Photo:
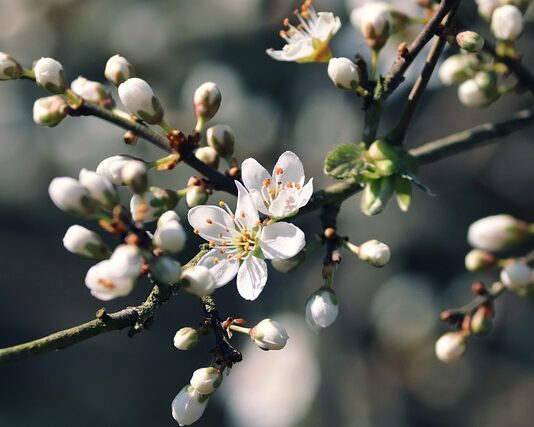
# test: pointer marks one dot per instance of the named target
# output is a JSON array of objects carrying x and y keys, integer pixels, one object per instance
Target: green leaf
[
  {"x": 403, "y": 190},
  {"x": 376, "y": 195},
  {"x": 346, "y": 161}
]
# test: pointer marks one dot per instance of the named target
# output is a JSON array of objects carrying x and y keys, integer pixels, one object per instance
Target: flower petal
[
  {"x": 212, "y": 223},
  {"x": 299, "y": 50},
  {"x": 245, "y": 212},
  {"x": 288, "y": 168},
  {"x": 222, "y": 268},
  {"x": 259, "y": 202},
  {"x": 281, "y": 240},
  {"x": 286, "y": 203},
  {"x": 305, "y": 193},
  {"x": 251, "y": 278},
  {"x": 253, "y": 174}
]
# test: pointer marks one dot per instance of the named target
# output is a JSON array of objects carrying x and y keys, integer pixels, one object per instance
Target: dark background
[{"x": 375, "y": 366}]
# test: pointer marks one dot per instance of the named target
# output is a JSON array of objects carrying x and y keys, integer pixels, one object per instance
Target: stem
[
  {"x": 375, "y": 54},
  {"x": 240, "y": 329},
  {"x": 494, "y": 292},
  {"x": 163, "y": 124}
]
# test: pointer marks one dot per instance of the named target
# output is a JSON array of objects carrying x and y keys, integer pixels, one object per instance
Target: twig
[{"x": 496, "y": 289}]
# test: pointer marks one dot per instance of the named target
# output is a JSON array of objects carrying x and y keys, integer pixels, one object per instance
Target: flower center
[{"x": 270, "y": 190}]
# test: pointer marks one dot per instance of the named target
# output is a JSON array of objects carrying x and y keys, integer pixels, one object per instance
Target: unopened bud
[
  {"x": 9, "y": 68},
  {"x": 497, "y": 232},
  {"x": 188, "y": 406},
  {"x": 481, "y": 322},
  {"x": 479, "y": 91},
  {"x": 457, "y": 68},
  {"x": 507, "y": 22},
  {"x": 198, "y": 281},
  {"x": 374, "y": 253},
  {"x": 289, "y": 264},
  {"x": 196, "y": 195},
  {"x": 269, "y": 335},
  {"x": 486, "y": 7},
  {"x": 209, "y": 156},
  {"x": 169, "y": 236},
  {"x": 375, "y": 21},
  {"x": 344, "y": 73},
  {"x": 451, "y": 346},
  {"x": 84, "y": 242},
  {"x": 206, "y": 380},
  {"x": 139, "y": 99},
  {"x": 49, "y": 74},
  {"x": 222, "y": 139},
  {"x": 111, "y": 167},
  {"x": 148, "y": 206},
  {"x": 70, "y": 196},
  {"x": 186, "y": 338},
  {"x": 91, "y": 91},
  {"x": 118, "y": 70},
  {"x": 206, "y": 100},
  {"x": 516, "y": 276},
  {"x": 479, "y": 260},
  {"x": 165, "y": 270},
  {"x": 100, "y": 188},
  {"x": 376, "y": 195},
  {"x": 49, "y": 111},
  {"x": 134, "y": 175},
  {"x": 470, "y": 41},
  {"x": 321, "y": 309}
]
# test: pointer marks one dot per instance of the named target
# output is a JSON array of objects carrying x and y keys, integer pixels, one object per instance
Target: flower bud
[
  {"x": 100, "y": 188},
  {"x": 139, "y": 99},
  {"x": 91, "y": 91},
  {"x": 169, "y": 236},
  {"x": 289, "y": 264},
  {"x": 209, "y": 156},
  {"x": 486, "y": 7},
  {"x": 479, "y": 91},
  {"x": 106, "y": 283},
  {"x": 321, "y": 309},
  {"x": 470, "y": 41},
  {"x": 479, "y": 260},
  {"x": 188, "y": 406},
  {"x": 186, "y": 338},
  {"x": 111, "y": 167},
  {"x": 344, "y": 73},
  {"x": 269, "y": 335},
  {"x": 198, "y": 281},
  {"x": 196, "y": 195},
  {"x": 84, "y": 242},
  {"x": 222, "y": 139},
  {"x": 165, "y": 270},
  {"x": 375, "y": 21},
  {"x": 507, "y": 22},
  {"x": 49, "y": 74},
  {"x": 118, "y": 70},
  {"x": 481, "y": 322},
  {"x": 126, "y": 261},
  {"x": 457, "y": 68},
  {"x": 497, "y": 232},
  {"x": 451, "y": 346},
  {"x": 374, "y": 253},
  {"x": 168, "y": 216},
  {"x": 516, "y": 276},
  {"x": 134, "y": 175},
  {"x": 206, "y": 100},
  {"x": 70, "y": 196},
  {"x": 148, "y": 206},
  {"x": 9, "y": 68},
  {"x": 206, "y": 380},
  {"x": 376, "y": 195},
  {"x": 49, "y": 111}
]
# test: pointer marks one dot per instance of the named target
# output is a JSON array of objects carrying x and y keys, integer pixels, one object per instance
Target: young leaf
[
  {"x": 345, "y": 161},
  {"x": 403, "y": 190}
]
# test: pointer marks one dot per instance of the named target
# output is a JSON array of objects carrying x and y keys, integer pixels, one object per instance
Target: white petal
[
  {"x": 259, "y": 202},
  {"x": 222, "y": 268},
  {"x": 251, "y": 278},
  {"x": 291, "y": 167},
  {"x": 253, "y": 174},
  {"x": 305, "y": 193},
  {"x": 246, "y": 212},
  {"x": 212, "y": 222},
  {"x": 294, "y": 51},
  {"x": 281, "y": 240},
  {"x": 326, "y": 26},
  {"x": 286, "y": 203}
]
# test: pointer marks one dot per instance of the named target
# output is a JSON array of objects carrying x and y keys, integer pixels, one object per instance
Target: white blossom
[
  {"x": 100, "y": 188},
  {"x": 188, "y": 406},
  {"x": 206, "y": 380},
  {"x": 84, "y": 242},
  {"x": 196, "y": 195},
  {"x": 496, "y": 233},
  {"x": 149, "y": 206},
  {"x": 135, "y": 175},
  {"x": 9, "y": 68},
  {"x": 486, "y": 7},
  {"x": 344, "y": 73},
  {"x": 126, "y": 260},
  {"x": 118, "y": 70},
  {"x": 49, "y": 111},
  {"x": 169, "y": 236},
  {"x": 70, "y": 196},
  {"x": 507, "y": 22},
  {"x": 198, "y": 280},
  {"x": 321, "y": 309},
  {"x": 111, "y": 167},
  {"x": 269, "y": 335},
  {"x": 308, "y": 41},
  {"x": 457, "y": 68},
  {"x": 139, "y": 99},
  {"x": 281, "y": 194},
  {"x": 375, "y": 253},
  {"x": 375, "y": 21},
  {"x": 185, "y": 338},
  {"x": 451, "y": 346},
  {"x": 222, "y": 139},
  {"x": 92, "y": 91},
  {"x": 516, "y": 276},
  {"x": 478, "y": 92},
  {"x": 240, "y": 243},
  {"x": 49, "y": 74}
]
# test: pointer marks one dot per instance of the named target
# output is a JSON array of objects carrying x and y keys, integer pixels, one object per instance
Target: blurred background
[{"x": 375, "y": 367}]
